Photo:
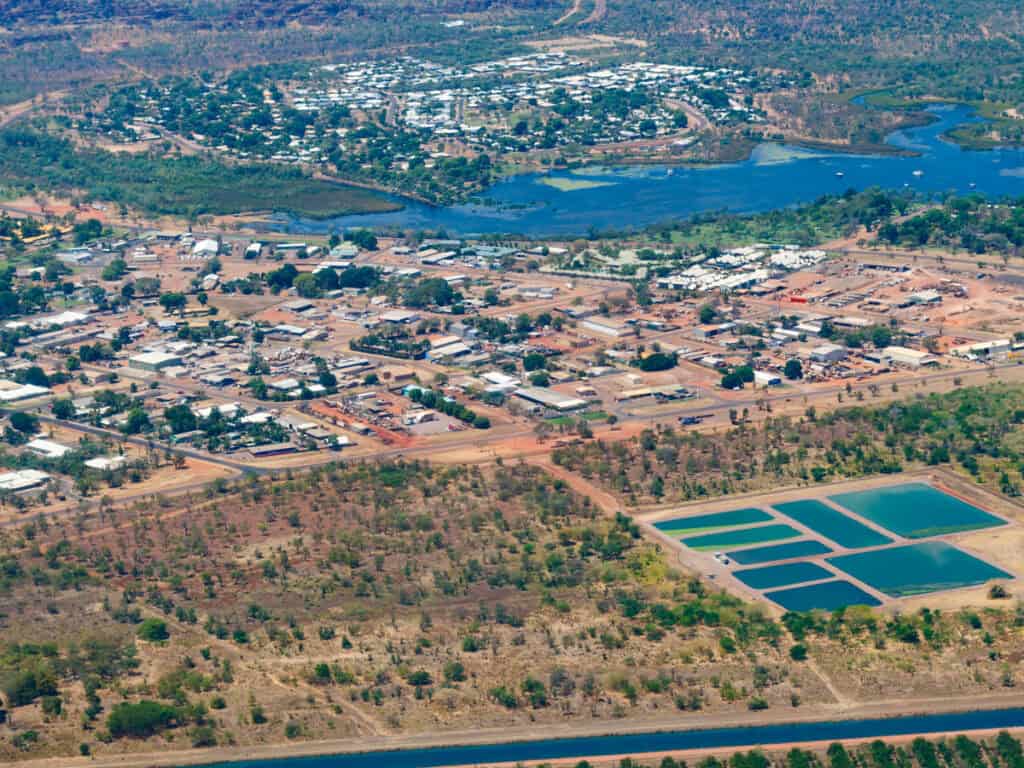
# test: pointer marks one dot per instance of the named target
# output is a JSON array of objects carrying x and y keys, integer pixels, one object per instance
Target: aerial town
[
  {"x": 534, "y": 383},
  {"x": 131, "y": 357},
  {"x": 398, "y": 119}
]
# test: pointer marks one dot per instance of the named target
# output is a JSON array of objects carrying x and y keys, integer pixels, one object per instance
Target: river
[
  {"x": 774, "y": 176},
  {"x": 636, "y": 744}
]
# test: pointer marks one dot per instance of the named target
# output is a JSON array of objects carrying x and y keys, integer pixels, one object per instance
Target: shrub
[
  {"x": 204, "y": 736},
  {"x": 153, "y": 630},
  {"x": 140, "y": 720},
  {"x": 505, "y": 697}
]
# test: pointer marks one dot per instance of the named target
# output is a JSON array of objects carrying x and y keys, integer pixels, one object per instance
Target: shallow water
[{"x": 774, "y": 176}]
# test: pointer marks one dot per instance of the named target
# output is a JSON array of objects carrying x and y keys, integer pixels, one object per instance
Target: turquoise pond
[
  {"x": 738, "y": 538},
  {"x": 782, "y": 575},
  {"x": 832, "y": 524},
  {"x": 736, "y": 517},
  {"x": 826, "y": 596},
  {"x": 928, "y": 566},
  {"x": 916, "y": 510},
  {"x": 774, "y": 552}
]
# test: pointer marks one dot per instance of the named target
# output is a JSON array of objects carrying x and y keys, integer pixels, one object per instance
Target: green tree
[
  {"x": 173, "y": 302},
  {"x": 24, "y": 422},
  {"x": 140, "y": 720},
  {"x": 115, "y": 270},
  {"x": 306, "y": 286},
  {"x": 153, "y": 630}
]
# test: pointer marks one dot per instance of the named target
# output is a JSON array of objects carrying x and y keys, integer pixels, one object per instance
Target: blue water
[
  {"x": 779, "y": 552},
  {"x": 735, "y": 517},
  {"x": 773, "y": 177},
  {"x": 916, "y": 510},
  {"x": 915, "y": 569},
  {"x": 771, "y": 576},
  {"x": 741, "y": 536},
  {"x": 832, "y": 524},
  {"x": 826, "y": 596},
  {"x": 634, "y": 744}
]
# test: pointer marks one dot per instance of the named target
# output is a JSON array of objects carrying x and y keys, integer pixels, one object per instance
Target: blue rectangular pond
[
  {"x": 832, "y": 524},
  {"x": 771, "y": 576},
  {"x": 772, "y": 552},
  {"x": 929, "y": 566},
  {"x": 916, "y": 510},
  {"x": 681, "y": 526},
  {"x": 741, "y": 536},
  {"x": 826, "y": 596}
]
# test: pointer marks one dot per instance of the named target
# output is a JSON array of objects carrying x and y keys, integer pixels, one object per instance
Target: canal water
[
  {"x": 635, "y": 744},
  {"x": 775, "y": 176}
]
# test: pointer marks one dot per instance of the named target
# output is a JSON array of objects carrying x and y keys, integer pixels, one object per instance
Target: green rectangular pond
[
  {"x": 916, "y": 510},
  {"x": 772, "y": 576},
  {"x": 826, "y": 596},
  {"x": 742, "y": 536},
  {"x": 773, "y": 552},
  {"x": 832, "y": 524},
  {"x": 681, "y": 526},
  {"x": 914, "y": 569}
]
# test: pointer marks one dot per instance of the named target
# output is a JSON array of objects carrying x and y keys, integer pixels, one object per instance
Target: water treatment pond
[
  {"x": 832, "y": 524},
  {"x": 928, "y": 566},
  {"x": 742, "y": 536},
  {"x": 826, "y": 596},
  {"x": 916, "y": 510},
  {"x": 681, "y": 526},
  {"x": 782, "y": 575},
  {"x": 774, "y": 552}
]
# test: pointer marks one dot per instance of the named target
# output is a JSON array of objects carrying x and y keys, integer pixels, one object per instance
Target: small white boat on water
[{"x": 918, "y": 173}]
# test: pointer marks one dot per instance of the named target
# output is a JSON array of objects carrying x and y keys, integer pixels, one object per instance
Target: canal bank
[
  {"x": 575, "y": 741},
  {"x": 661, "y": 742}
]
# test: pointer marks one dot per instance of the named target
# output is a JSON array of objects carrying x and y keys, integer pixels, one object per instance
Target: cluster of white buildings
[
  {"x": 451, "y": 101},
  {"x": 741, "y": 268}
]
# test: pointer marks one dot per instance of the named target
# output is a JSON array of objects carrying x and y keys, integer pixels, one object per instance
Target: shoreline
[{"x": 880, "y": 710}]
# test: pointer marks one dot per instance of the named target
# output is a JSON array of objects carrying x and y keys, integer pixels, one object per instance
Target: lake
[
  {"x": 634, "y": 744},
  {"x": 775, "y": 176}
]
